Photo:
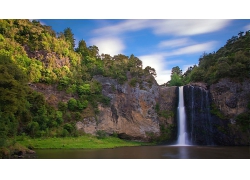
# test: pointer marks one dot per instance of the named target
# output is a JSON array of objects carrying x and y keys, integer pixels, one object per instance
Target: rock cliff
[
  {"x": 132, "y": 113},
  {"x": 212, "y": 112}
]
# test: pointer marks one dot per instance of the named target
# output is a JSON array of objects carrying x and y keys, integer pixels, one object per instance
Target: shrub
[
  {"x": 68, "y": 127},
  {"x": 100, "y": 134},
  {"x": 62, "y": 106},
  {"x": 133, "y": 82},
  {"x": 72, "y": 104}
]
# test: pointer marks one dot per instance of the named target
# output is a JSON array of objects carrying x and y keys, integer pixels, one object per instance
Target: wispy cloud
[
  {"x": 174, "y": 43},
  {"x": 247, "y": 27},
  {"x": 187, "y": 27},
  {"x": 108, "y": 45},
  {"x": 124, "y": 26},
  {"x": 197, "y": 48},
  {"x": 178, "y": 27}
]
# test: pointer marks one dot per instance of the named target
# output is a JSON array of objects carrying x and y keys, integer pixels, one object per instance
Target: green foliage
[
  {"x": 76, "y": 105},
  {"x": 101, "y": 134},
  {"x": 176, "y": 77},
  {"x": 68, "y": 127},
  {"x": 32, "y": 128},
  {"x": 72, "y": 104},
  {"x": 243, "y": 120},
  {"x": 166, "y": 114},
  {"x": 62, "y": 106},
  {"x": 69, "y": 36},
  {"x": 232, "y": 60},
  {"x": 33, "y": 53},
  {"x": 167, "y": 133},
  {"x": 133, "y": 82},
  {"x": 214, "y": 110},
  {"x": 176, "y": 80},
  {"x": 83, "y": 89},
  {"x": 157, "y": 107},
  {"x": 150, "y": 70}
]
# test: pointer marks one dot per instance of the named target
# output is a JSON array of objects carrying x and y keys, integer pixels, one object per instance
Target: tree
[
  {"x": 176, "y": 77},
  {"x": 176, "y": 80},
  {"x": 176, "y": 70},
  {"x": 94, "y": 51},
  {"x": 69, "y": 36},
  {"x": 240, "y": 33},
  {"x": 82, "y": 48},
  {"x": 150, "y": 70},
  {"x": 135, "y": 61},
  {"x": 72, "y": 104}
]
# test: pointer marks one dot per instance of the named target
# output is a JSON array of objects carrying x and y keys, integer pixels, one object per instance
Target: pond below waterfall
[{"x": 149, "y": 152}]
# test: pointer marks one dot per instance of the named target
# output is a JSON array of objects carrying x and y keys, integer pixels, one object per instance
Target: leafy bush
[
  {"x": 133, "y": 82},
  {"x": 101, "y": 134},
  {"x": 243, "y": 120},
  {"x": 72, "y": 104},
  {"x": 62, "y": 106},
  {"x": 68, "y": 127}
]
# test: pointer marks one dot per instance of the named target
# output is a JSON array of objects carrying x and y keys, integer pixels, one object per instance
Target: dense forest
[{"x": 31, "y": 53}]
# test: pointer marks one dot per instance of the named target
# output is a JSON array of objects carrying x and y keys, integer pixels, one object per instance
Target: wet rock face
[
  {"x": 200, "y": 123},
  {"x": 168, "y": 102},
  {"x": 226, "y": 97}
]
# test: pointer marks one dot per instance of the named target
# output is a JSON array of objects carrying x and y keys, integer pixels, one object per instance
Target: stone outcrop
[
  {"x": 51, "y": 93},
  {"x": 131, "y": 113},
  {"x": 211, "y": 112},
  {"x": 230, "y": 97}
]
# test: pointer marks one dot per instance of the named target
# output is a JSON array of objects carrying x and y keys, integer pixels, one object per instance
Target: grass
[{"x": 81, "y": 142}]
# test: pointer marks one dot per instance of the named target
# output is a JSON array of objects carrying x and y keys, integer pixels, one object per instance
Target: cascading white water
[{"x": 181, "y": 120}]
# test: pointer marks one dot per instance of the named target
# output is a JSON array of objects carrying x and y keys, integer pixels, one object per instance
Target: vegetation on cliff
[
  {"x": 231, "y": 61},
  {"x": 32, "y": 54}
]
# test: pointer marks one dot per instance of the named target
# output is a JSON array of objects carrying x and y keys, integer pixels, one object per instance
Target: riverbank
[
  {"x": 81, "y": 142},
  {"x": 23, "y": 145}
]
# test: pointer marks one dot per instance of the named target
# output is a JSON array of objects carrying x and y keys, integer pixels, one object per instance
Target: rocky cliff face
[
  {"x": 212, "y": 112},
  {"x": 132, "y": 111},
  {"x": 231, "y": 98}
]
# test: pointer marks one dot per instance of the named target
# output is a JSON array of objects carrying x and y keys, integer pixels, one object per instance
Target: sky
[{"x": 159, "y": 43}]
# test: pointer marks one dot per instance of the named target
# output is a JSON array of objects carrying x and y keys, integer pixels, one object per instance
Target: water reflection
[{"x": 149, "y": 152}]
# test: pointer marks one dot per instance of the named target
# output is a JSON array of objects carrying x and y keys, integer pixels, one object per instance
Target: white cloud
[
  {"x": 178, "y": 27},
  {"x": 157, "y": 62},
  {"x": 109, "y": 45},
  {"x": 247, "y": 27},
  {"x": 126, "y": 25},
  {"x": 193, "y": 49},
  {"x": 185, "y": 27},
  {"x": 174, "y": 43}
]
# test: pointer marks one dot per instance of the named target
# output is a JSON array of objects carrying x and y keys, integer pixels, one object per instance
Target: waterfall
[{"x": 182, "y": 140}]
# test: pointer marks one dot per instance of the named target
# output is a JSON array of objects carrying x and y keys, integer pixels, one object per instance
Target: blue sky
[{"x": 161, "y": 43}]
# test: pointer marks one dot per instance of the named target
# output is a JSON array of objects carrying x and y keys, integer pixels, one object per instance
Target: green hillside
[
  {"x": 231, "y": 60},
  {"x": 33, "y": 55}
]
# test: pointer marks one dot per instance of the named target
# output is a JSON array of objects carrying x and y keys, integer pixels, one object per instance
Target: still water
[{"x": 149, "y": 152}]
